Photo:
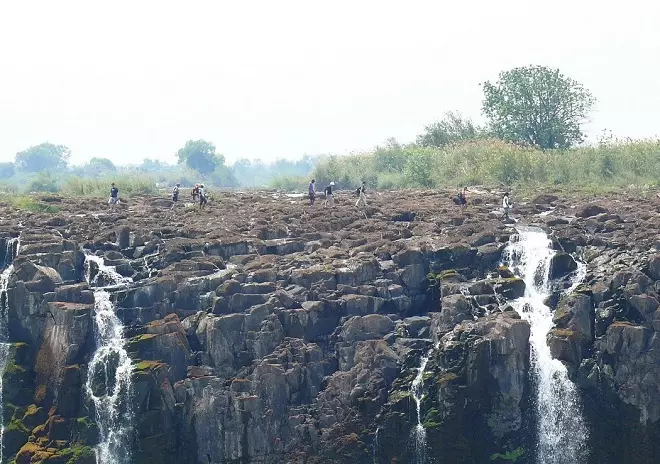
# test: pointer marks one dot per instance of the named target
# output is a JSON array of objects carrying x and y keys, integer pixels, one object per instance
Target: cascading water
[
  {"x": 11, "y": 251},
  {"x": 4, "y": 345},
  {"x": 109, "y": 374},
  {"x": 562, "y": 433},
  {"x": 419, "y": 432},
  {"x": 12, "y": 247}
]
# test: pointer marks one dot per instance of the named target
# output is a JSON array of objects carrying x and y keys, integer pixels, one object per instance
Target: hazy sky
[{"x": 134, "y": 79}]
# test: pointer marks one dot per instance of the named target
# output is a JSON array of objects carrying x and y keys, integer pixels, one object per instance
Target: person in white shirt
[{"x": 506, "y": 204}]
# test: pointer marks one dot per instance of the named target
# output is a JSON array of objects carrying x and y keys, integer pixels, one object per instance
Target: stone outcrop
[{"x": 264, "y": 331}]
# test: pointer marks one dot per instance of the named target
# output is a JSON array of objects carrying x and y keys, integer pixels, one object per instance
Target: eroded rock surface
[{"x": 265, "y": 331}]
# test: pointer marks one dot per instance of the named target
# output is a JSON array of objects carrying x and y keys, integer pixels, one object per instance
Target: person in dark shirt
[
  {"x": 114, "y": 195},
  {"x": 328, "y": 195},
  {"x": 362, "y": 199}
]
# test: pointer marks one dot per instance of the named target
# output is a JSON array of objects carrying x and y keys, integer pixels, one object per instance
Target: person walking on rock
[
  {"x": 175, "y": 195},
  {"x": 506, "y": 204},
  {"x": 114, "y": 195},
  {"x": 202, "y": 196},
  {"x": 362, "y": 199},
  {"x": 461, "y": 198},
  {"x": 328, "y": 195},
  {"x": 195, "y": 193},
  {"x": 312, "y": 192}
]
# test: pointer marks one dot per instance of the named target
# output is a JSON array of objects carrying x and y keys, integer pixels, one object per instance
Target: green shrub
[
  {"x": 28, "y": 203},
  {"x": 136, "y": 184},
  {"x": 614, "y": 164}
]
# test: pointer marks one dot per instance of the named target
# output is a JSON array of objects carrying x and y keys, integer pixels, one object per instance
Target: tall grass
[
  {"x": 79, "y": 186},
  {"x": 614, "y": 163}
]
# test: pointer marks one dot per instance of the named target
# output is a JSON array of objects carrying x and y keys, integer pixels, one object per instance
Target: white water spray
[
  {"x": 109, "y": 372},
  {"x": 419, "y": 432},
  {"x": 4, "y": 345},
  {"x": 12, "y": 247},
  {"x": 562, "y": 433}
]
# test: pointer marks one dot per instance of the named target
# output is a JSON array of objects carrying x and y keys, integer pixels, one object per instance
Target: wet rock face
[
  {"x": 475, "y": 388},
  {"x": 261, "y": 335}
]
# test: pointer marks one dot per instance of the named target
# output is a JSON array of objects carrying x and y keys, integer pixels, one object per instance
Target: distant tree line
[{"x": 531, "y": 107}]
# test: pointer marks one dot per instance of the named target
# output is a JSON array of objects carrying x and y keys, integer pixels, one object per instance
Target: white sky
[{"x": 134, "y": 79}]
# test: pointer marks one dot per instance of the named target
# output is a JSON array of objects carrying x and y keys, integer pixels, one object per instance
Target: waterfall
[
  {"x": 11, "y": 249},
  {"x": 419, "y": 432},
  {"x": 562, "y": 433},
  {"x": 374, "y": 451},
  {"x": 109, "y": 372},
  {"x": 4, "y": 346}
]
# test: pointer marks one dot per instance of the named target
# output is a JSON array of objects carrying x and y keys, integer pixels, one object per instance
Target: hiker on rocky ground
[
  {"x": 362, "y": 199},
  {"x": 312, "y": 192},
  {"x": 195, "y": 193},
  {"x": 506, "y": 204},
  {"x": 175, "y": 195},
  {"x": 202, "y": 196},
  {"x": 114, "y": 195},
  {"x": 461, "y": 198},
  {"x": 328, "y": 195}
]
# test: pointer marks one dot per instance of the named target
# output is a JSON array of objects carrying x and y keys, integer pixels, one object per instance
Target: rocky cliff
[{"x": 261, "y": 330}]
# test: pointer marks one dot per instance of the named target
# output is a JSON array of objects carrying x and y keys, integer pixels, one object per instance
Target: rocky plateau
[{"x": 262, "y": 330}]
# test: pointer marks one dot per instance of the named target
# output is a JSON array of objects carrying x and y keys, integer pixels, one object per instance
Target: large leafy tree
[
  {"x": 453, "y": 128},
  {"x": 538, "y": 106},
  {"x": 200, "y": 155},
  {"x": 43, "y": 157}
]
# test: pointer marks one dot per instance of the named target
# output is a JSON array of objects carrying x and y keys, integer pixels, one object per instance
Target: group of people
[
  {"x": 197, "y": 193},
  {"x": 461, "y": 200},
  {"x": 329, "y": 196}
]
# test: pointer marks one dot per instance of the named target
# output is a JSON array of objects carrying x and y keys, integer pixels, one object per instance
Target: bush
[
  {"x": 136, "y": 184},
  {"x": 28, "y": 203},
  {"x": 291, "y": 183},
  {"x": 613, "y": 164},
  {"x": 44, "y": 182}
]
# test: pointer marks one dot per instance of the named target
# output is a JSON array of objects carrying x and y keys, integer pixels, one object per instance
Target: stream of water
[
  {"x": 11, "y": 251},
  {"x": 417, "y": 390},
  {"x": 109, "y": 372},
  {"x": 4, "y": 345},
  {"x": 561, "y": 430}
]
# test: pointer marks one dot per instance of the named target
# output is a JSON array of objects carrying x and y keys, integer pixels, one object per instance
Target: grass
[
  {"x": 131, "y": 185},
  {"x": 607, "y": 167},
  {"x": 33, "y": 204}
]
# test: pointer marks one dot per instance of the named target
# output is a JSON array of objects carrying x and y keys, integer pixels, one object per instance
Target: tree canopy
[
  {"x": 43, "y": 157},
  {"x": 6, "y": 170},
  {"x": 452, "y": 128},
  {"x": 98, "y": 166},
  {"x": 537, "y": 106},
  {"x": 200, "y": 155}
]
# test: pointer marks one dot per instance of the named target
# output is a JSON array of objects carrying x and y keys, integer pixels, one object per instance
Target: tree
[
  {"x": 99, "y": 166},
  {"x": 43, "y": 157},
  {"x": 6, "y": 170},
  {"x": 452, "y": 129},
  {"x": 152, "y": 165},
  {"x": 537, "y": 106},
  {"x": 390, "y": 158},
  {"x": 200, "y": 155}
]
